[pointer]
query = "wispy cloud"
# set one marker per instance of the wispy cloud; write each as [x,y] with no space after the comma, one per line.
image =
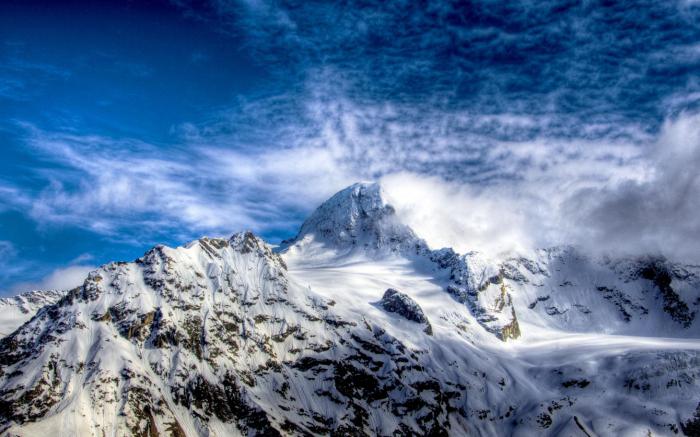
[108,185]
[20,78]
[544,123]
[14,265]
[7,249]
[10,264]
[586,62]
[502,126]
[125,189]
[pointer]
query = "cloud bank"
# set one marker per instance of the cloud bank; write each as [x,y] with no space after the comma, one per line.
[646,206]
[656,215]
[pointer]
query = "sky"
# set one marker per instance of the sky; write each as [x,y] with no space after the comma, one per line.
[496,126]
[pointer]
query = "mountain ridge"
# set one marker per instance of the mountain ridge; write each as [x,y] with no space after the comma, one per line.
[232,337]
[15,310]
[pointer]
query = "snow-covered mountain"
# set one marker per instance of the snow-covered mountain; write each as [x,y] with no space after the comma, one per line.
[16,310]
[357,327]
[356,221]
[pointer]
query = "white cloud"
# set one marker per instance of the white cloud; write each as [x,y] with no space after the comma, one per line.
[455,174]
[10,265]
[658,214]
[606,198]
[450,214]
[124,188]
[60,279]
[110,183]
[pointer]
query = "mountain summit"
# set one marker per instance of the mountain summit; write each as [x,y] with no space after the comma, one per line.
[228,337]
[358,217]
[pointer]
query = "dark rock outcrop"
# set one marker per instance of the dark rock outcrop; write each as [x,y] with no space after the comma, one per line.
[660,276]
[394,301]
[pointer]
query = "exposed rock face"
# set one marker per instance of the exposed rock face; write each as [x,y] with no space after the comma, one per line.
[691,427]
[660,275]
[579,291]
[359,218]
[511,330]
[480,285]
[394,301]
[566,289]
[571,291]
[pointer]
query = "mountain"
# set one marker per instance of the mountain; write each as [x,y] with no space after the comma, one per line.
[357,327]
[16,310]
[356,220]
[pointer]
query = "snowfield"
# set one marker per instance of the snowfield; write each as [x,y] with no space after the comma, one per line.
[228,337]
[593,358]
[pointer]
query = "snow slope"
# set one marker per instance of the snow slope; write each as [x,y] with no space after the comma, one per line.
[610,384]
[228,337]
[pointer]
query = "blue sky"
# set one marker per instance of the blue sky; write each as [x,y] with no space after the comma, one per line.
[524,123]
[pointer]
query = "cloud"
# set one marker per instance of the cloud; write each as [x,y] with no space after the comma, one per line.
[502,126]
[475,181]
[12,267]
[516,124]
[113,185]
[580,63]
[9,264]
[7,249]
[129,190]
[15,71]
[644,201]
[477,188]
[11,88]
[60,279]
[655,215]
[450,214]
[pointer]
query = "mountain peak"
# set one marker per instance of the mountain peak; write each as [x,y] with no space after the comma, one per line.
[358,216]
